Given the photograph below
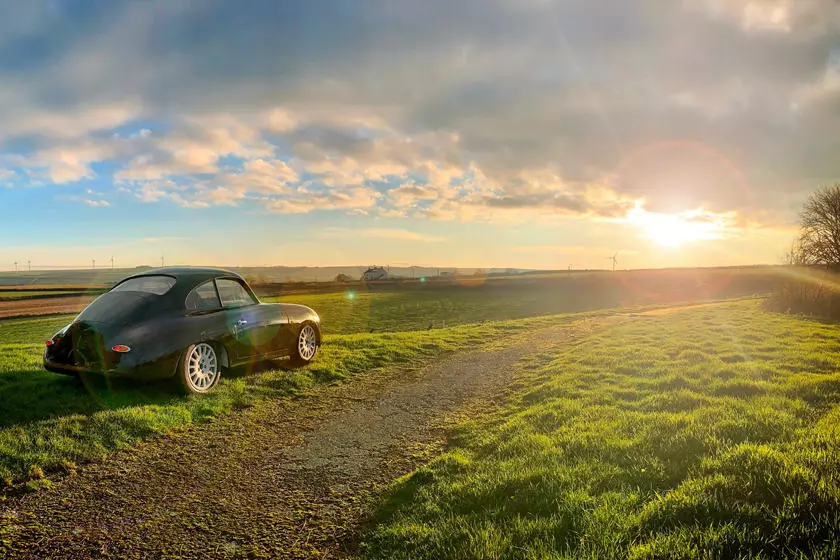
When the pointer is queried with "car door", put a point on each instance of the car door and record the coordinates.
(206, 315)
(241, 311)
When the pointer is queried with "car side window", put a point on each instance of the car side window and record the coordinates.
(233, 294)
(203, 297)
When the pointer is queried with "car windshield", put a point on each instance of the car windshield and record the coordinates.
(157, 285)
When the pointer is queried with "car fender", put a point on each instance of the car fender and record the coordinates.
(297, 314)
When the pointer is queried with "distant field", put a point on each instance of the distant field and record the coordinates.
(29, 294)
(459, 300)
(383, 308)
(711, 432)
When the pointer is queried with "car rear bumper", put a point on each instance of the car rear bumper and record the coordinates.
(160, 369)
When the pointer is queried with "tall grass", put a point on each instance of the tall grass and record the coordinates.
(809, 291)
(707, 433)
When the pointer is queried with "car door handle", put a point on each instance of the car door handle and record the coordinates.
(242, 322)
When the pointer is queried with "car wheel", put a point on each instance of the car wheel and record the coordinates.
(198, 370)
(306, 345)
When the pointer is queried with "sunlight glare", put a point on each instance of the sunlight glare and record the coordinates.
(675, 230)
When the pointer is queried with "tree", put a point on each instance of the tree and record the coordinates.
(819, 229)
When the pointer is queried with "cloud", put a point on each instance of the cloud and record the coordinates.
(775, 16)
(86, 200)
(304, 200)
(96, 203)
(493, 110)
(379, 233)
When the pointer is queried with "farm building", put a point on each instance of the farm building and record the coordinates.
(375, 273)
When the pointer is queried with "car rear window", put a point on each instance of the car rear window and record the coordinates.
(157, 285)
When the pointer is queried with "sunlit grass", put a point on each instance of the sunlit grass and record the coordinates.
(360, 311)
(707, 433)
(48, 422)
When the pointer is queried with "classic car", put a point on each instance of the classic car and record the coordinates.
(182, 323)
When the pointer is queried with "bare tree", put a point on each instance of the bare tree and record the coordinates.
(795, 255)
(819, 235)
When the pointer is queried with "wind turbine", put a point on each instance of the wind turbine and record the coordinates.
(613, 259)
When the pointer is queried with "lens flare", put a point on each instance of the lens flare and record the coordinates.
(675, 230)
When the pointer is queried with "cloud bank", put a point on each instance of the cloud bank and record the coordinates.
(496, 110)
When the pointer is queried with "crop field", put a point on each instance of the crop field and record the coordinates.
(711, 432)
(31, 294)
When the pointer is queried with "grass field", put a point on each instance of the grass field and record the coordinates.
(361, 312)
(711, 432)
(48, 423)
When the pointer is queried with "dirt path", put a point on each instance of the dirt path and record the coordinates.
(287, 478)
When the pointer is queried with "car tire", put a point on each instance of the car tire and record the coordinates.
(199, 370)
(307, 342)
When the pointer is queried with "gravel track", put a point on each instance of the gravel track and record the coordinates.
(287, 478)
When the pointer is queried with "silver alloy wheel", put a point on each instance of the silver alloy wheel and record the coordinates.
(202, 367)
(307, 343)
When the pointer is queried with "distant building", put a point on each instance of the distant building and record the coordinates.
(343, 278)
(375, 273)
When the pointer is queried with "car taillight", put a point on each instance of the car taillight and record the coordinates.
(121, 348)
(50, 343)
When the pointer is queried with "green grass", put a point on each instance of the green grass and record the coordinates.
(706, 433)
(47, 422)
(415, 309)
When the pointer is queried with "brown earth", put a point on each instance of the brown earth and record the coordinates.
(287, 478)
(43, 306)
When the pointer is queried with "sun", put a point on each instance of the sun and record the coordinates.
(668, 231)
(676, 230)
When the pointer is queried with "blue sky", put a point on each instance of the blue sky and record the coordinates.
(530, 133)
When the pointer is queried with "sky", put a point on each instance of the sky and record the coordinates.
(473, 133)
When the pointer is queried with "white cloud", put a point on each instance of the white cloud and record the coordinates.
(194, 146)
(812, 17)
(86, 200)
(305, 200)
(54, 123)
(96, 203)
(378, 233)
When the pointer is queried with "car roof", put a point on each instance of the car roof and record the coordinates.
(187, 274)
